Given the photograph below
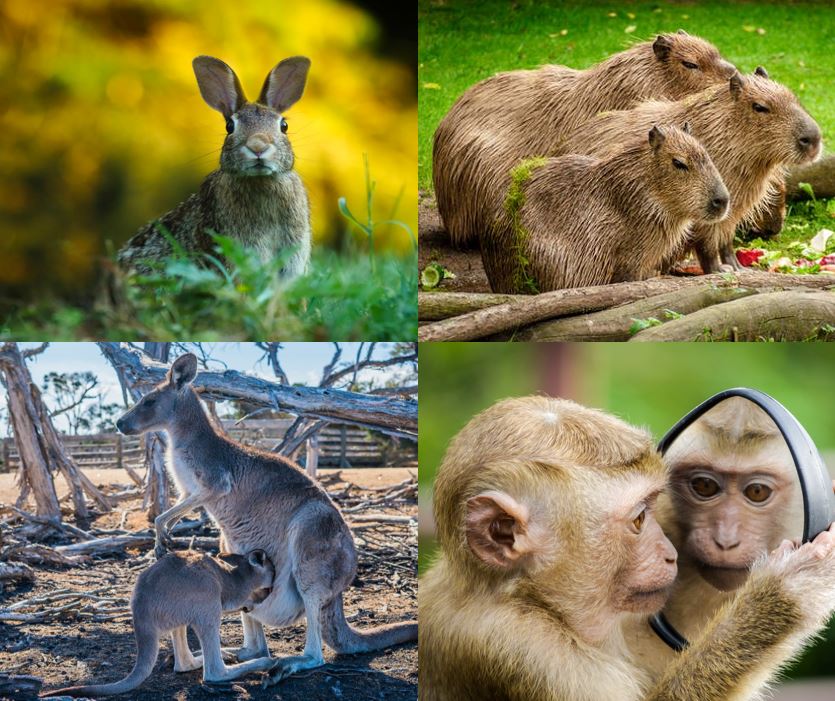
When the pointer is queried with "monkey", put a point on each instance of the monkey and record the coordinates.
(546, 516)
(189, 589)
(733, 496)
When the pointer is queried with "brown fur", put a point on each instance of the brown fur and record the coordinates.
(749, 149)
(257, 199)
(520, 114)
(589, 221)
(540, 629)
(189, 589)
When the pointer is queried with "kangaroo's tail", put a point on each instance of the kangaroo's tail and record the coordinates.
(345, 639)
(147, 648)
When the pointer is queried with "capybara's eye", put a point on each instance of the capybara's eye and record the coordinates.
(283, 125)
(680, 164)
(760, 108)
(230, 126)
(691, 66)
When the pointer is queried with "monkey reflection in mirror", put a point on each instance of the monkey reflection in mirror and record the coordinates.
(734, 496)
(550, 547)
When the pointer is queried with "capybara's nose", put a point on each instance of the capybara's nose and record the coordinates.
(727, 68)
(718, 204)
(809, 140)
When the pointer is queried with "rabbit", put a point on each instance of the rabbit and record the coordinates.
(255, 196)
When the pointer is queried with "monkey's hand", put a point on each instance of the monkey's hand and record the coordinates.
(807, 572)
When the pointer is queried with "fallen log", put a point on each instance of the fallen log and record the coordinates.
(615, 324)
(781, 316)
(15, 572)
(525, 310)
(434, 306)
(118, 543)
(820, 175)
(19, 687)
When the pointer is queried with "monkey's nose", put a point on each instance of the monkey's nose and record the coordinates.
(726, 544)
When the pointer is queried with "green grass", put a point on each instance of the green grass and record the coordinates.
(464, 41)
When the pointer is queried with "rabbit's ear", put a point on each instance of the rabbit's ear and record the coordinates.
(219, 85)
(285, 83)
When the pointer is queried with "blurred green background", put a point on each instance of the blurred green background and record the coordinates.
(104, 127)
(651, 385)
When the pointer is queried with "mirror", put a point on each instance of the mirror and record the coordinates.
(744, 476)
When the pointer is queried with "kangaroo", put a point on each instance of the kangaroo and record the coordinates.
(261, 500)
(189, 589)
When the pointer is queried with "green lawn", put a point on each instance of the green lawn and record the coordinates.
(463, 41)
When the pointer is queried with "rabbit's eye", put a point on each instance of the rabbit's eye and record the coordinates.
(230, 126)
(283, 125)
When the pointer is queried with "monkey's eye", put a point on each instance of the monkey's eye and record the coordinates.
(283, 125)
(704, 487)
(757, 492)
(230, 126)
(681, 165)
(760, 108)
(689, 65)
(638, 521)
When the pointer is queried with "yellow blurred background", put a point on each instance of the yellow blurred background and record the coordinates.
(104, 128)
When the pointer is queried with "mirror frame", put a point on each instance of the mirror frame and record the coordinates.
(815, 483)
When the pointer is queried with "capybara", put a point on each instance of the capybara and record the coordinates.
(525, 113)
(751, 126)
(574, 221)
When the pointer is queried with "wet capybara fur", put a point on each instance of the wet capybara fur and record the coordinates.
(575, 221)
(752, 127)
(525, 113)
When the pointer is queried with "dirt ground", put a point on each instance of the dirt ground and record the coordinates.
(434, 246)
(77, 651)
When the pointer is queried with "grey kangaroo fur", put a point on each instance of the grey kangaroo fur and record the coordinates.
(255, 195)
(261, 500)
(189, 589)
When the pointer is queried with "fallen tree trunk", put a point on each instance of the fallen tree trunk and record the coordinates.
(781, 316)
(526, 310)
(820, 175)
(615, 324)
(15, 572)
(433, 306)
(392, 415)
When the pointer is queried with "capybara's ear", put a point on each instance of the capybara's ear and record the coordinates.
(285, 83)
(736, 83)
(686, 127)
(760, 71)
(662, 47)
(656, 137)
(218, 85)
(681, 31)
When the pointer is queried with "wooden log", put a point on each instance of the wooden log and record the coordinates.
(434, 306)
(820, 175)
(614, 324)
(15, 572)
(118, 543)
(781, 316)
(392, 415)
(19, 687)
(525, 310)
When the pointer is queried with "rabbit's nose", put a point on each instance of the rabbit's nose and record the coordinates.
(257, 144)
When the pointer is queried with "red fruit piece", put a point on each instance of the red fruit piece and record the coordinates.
(749, 256)
(828, 260)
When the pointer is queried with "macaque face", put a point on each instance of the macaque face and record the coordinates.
(734, 491)
(649, 568)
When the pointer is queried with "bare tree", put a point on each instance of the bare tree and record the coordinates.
(38, 443)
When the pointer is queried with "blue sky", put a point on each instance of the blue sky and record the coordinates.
(303, 363)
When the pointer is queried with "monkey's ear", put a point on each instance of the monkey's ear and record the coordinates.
(760, 71)
(662, 47)
(183, 371)
(497, 527)
(257, 558)
(736, 83)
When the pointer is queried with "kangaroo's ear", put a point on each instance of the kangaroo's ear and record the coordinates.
(183, 371)
(218, 85)
(285, 83)
(257, 558)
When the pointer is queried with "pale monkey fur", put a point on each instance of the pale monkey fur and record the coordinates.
(487, 634)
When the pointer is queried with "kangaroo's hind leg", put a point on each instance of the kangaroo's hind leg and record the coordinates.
(214, 668)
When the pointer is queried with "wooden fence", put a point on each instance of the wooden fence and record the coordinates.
(339, 446)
